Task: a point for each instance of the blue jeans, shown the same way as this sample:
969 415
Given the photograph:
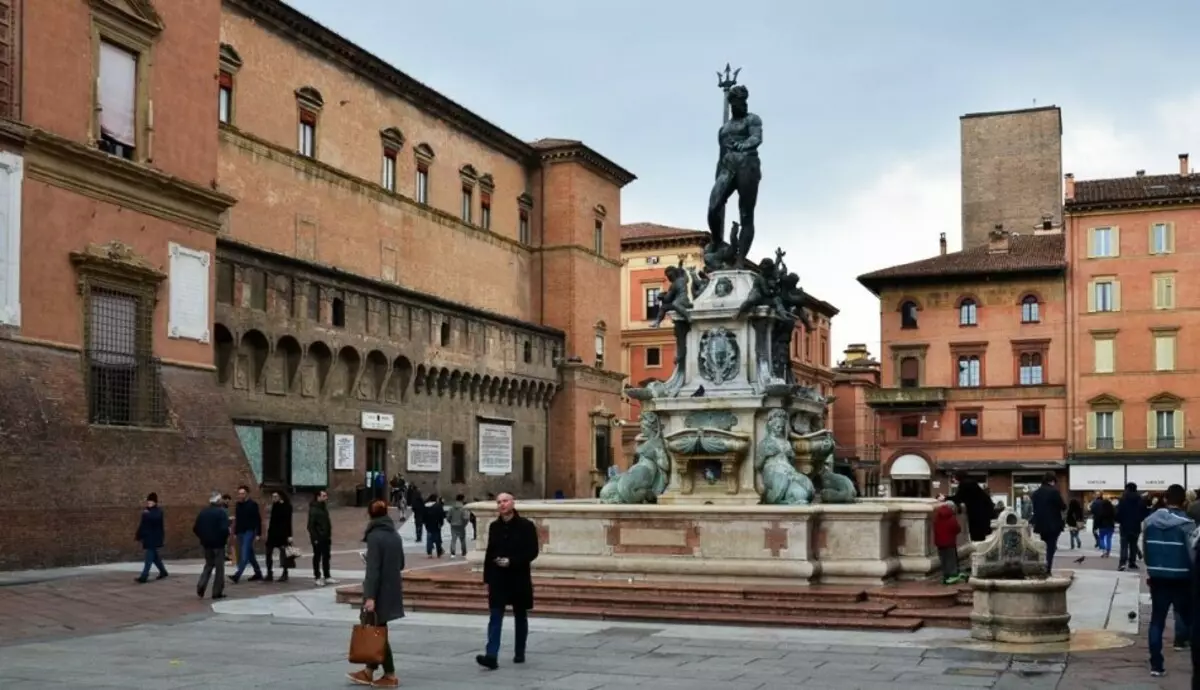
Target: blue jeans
152 558
1076 542
496 624
1164 596
1106 535
433 539
246 555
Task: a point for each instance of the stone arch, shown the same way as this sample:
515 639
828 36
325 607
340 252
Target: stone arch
523 393
600 211
443 380
476 382
468 171
455 383
513 390
346 371
252 358
910 463
397 386
502 392
539 393
419 382
551 390
310 96
425 151
222 352
288 356
431 380
392 138
374 376
319 363
229 56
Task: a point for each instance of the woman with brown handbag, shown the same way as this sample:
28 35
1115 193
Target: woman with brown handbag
383 600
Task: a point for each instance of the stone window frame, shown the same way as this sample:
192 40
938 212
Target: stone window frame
423 155
900 353
1023 410
916 320
469 178
1102 403
1165 402
977 350
599 214
487 186
1037 307
116 267
1099 334
1171 289
137 33
600 330
228 66
601 418
1171 332
1114 242
524 219
964 301
309 105
392 142
977 413
657 349
1031 346
1114 301
900 428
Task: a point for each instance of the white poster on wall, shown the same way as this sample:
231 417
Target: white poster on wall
495 448
1096 477
187 313
1155 477
424 456
343 452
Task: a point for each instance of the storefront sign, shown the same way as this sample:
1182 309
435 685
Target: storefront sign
1096 477
424 456
1193 477
495 448
343 452
378 421
1155 477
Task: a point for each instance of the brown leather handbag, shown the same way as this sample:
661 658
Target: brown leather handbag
368 641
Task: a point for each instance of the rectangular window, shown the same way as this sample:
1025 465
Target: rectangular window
527 469
1104 243
968 424
1162 240
824 351
389 170
308 133
458 463
116 87
258 290
485 211
1102 295
970 371
910 427
598 237
1105 355
123 378
1104 430
313 299
1030 369
653 357
224 283
468 204
1164 290
910 370
652 296
225 97
523 234
422 183
603 448
1164 352
1164 429
1031 423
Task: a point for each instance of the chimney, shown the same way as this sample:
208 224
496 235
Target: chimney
1070 193
1141 173
998 240
942 243
1183 165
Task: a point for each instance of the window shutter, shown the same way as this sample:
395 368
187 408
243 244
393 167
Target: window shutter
1180 429
1091 296
1091 431
1171 238
1115 234
1091 240
1169 292
1151 429
1116 295
1118 429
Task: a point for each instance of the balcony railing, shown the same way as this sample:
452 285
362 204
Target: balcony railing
1165 442
906 397
1104 443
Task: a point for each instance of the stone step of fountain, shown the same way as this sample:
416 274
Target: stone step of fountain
951 617
917 595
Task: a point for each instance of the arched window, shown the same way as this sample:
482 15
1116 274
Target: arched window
1030 309
969 371
908 315
1031 369
968 313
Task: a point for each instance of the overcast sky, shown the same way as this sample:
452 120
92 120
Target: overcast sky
860 102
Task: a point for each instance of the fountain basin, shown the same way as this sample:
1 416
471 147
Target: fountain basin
869 542
1027 611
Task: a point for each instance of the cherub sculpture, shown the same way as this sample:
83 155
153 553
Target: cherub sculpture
676 298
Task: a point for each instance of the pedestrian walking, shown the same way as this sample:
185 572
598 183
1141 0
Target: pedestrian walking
1169 571
151 532
511 550
1131 511
1094 510
279 535
458 517
1105 521
382 588
1047 508
1075 522
945 538
212 529
434 516
418 509
231 548
248 529
320 533
976 503
474 523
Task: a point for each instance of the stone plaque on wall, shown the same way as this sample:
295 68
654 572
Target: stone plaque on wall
188 315
495 448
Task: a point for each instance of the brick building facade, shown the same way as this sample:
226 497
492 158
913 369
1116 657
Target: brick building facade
1133 308
855 425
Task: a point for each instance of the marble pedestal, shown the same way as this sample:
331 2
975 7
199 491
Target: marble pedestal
1030 611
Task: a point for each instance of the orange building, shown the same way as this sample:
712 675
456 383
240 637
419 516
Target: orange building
855 423
1133 309
974 368
648 354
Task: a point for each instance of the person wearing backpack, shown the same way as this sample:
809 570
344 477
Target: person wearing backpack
1169 550
458 517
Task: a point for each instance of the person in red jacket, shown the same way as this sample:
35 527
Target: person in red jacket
945 538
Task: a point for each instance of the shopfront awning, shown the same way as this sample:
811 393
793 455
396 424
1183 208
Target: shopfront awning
909 467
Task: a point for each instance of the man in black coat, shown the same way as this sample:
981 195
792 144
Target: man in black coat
279 535
212 529
1048 508
511 550
977 504
1131 512
247 527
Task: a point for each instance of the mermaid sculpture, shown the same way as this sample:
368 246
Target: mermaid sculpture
775 475
647 479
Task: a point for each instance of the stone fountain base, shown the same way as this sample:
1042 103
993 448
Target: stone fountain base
1031 611
864 543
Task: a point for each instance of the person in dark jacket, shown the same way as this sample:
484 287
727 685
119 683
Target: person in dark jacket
977 504
1169 565
1131 511
1093 511
434 516
247 527
320 533
151 532
1104 519
212 529
418 509
512 548
945 538
279 534
382 588
1075 522
1048 508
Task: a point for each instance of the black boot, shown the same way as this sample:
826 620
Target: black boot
488 662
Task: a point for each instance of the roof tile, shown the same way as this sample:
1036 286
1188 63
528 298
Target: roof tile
1026 253
1143 188
654 231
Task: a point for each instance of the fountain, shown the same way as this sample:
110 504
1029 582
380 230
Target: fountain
1015 599
733 479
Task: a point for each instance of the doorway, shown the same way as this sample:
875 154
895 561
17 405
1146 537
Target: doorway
377 449
276 458
911 488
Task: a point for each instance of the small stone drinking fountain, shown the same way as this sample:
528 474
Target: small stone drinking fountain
1015 599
